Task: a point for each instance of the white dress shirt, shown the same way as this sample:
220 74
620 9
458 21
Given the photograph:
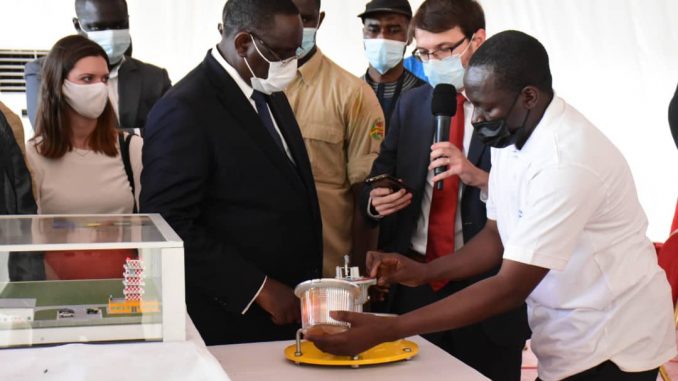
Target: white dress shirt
112 85
567 202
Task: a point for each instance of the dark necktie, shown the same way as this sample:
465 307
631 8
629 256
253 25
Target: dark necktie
261 102
444 202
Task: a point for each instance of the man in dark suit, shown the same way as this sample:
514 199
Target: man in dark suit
410 222
133 87
16 192
16 195
225 164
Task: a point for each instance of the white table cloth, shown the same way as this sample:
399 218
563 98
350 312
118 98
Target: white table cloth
187 360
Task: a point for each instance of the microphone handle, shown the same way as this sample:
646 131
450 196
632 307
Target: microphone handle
442 134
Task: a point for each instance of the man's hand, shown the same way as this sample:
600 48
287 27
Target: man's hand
391 268
279 301
446 153
378 293
387 202
366 331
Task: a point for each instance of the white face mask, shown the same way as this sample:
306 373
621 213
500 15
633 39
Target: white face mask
307 42
383 54
448 70
279 74
115 42
87 100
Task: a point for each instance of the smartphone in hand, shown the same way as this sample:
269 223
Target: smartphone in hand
387 181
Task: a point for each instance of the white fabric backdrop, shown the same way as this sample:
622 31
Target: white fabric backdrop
615 60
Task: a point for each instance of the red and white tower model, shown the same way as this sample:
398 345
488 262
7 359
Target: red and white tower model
133 279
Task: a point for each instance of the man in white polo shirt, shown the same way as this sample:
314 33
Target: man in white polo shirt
565 223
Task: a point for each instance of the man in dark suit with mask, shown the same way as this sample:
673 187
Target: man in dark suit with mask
133 86
225 164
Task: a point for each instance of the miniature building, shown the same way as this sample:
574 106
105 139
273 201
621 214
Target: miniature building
133 279
134 284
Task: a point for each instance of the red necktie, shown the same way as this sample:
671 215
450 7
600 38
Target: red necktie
444 202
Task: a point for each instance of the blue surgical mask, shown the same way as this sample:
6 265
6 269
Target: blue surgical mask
307 43
449 70
383 54
114 42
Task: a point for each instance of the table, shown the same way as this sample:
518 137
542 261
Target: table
183 360
266 361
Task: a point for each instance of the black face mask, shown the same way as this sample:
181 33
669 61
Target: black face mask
497 133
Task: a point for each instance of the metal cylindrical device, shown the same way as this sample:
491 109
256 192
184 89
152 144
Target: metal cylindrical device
352 274
320 296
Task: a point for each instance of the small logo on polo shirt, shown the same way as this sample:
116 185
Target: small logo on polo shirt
377 130
520 213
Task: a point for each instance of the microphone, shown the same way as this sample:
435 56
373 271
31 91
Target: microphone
443 107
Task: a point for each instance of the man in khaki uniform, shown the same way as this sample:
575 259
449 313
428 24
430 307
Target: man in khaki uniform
343 126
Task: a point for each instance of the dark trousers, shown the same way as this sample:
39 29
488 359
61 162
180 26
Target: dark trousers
609 371
470 344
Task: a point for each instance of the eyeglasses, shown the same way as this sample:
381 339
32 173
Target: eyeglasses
276 57
425 56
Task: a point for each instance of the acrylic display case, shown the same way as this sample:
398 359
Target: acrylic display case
90 278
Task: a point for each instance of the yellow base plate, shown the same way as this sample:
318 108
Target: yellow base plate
381 354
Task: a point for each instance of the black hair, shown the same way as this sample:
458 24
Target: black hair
437 16
516 59
254 15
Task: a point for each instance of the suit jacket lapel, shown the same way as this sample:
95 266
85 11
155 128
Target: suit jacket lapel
129 93
423 138
475 153
414 144
236 104
292 134
476 149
